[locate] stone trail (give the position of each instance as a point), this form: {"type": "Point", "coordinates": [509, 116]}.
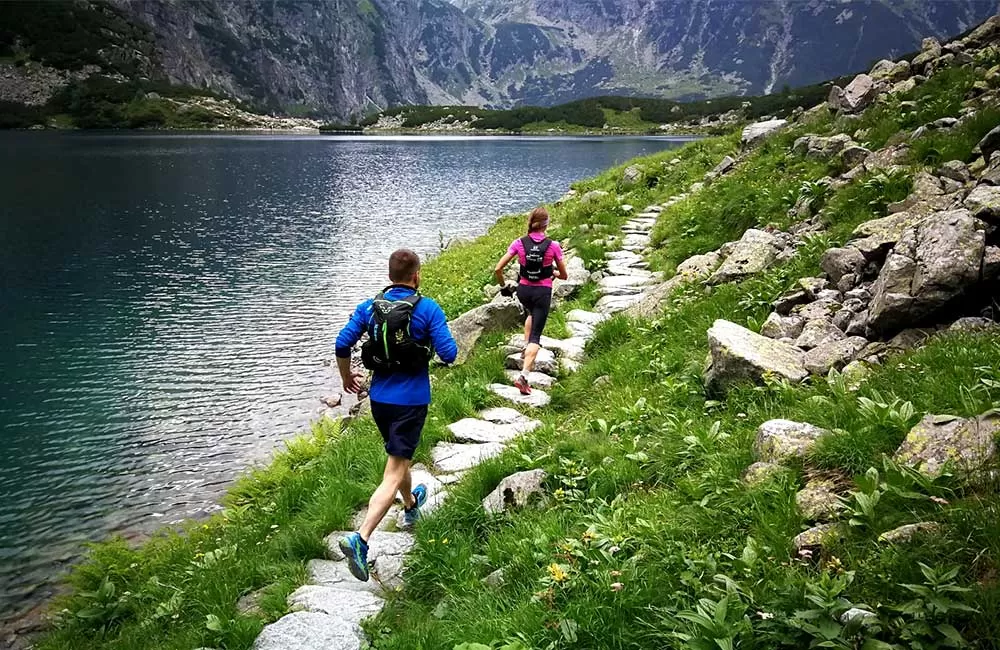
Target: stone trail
{"type": "Point", "coordinates": [328, 610]}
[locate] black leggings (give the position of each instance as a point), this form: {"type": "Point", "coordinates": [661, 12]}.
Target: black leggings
{"type": "Point", "coordinates": [537, 301]}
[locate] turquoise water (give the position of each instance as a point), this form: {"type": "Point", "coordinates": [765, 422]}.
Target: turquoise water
{"type": "Point", "coordinates": [167, 303]}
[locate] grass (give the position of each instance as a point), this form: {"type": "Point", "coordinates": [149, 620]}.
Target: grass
{"type": "Point", "coordinates": [649, 539]}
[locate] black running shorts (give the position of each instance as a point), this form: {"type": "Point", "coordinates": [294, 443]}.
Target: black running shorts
{"type": "Point", "coordinates": [400, 427]}
{"type": "Point", "coordinates": [537, 301]}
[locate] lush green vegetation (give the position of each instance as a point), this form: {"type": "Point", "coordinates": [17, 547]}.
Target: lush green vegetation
{"type": "Point", "coordinates": [634, 114]}
{"type": "Point", "coordinates": [651, 538]}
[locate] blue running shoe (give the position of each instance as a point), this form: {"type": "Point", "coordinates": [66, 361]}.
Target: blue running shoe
{"type": "Point", "coordinates": [356, 551]}
{"type": "Point", "coordinates": [411, 516]}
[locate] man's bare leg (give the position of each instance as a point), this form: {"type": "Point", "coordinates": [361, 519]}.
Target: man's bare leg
{"type": "Point", "coordinates": [397, 470]}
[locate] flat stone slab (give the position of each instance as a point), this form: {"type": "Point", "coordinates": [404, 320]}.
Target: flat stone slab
{"type": "Point", "coordinates": [545, 362]}
{"type": "Point", "coordinates": [330, 573]}
{"type": "Point", "coordinates": [583, 330]}
{"type": "Point", "coordinates": [309, 631]}
{"type": "Point", "coordinates": [457, 457]}
{"type": "Point", "coordinates": [381, 544]}
{"type": "Point", "coordinates": [503, 415]}
{"type": "Point", "coordinates": [618, 281]}
{"type": "Point", "coordinates": [537, 398]}
{"type": "Point", "coordinates": [473, 430]}
{"type": "Point", "coordinates": [349, 606]}
{"type": "Point", "coordinates": [623, 255]}
{"type": "Point", "coordinates": [621, 291]}
{"type": "Point", "coordinates": [419, 474]}
{"type": "Point", "coordinates": [536, 379]}
{"type": "Point", "coordinates": [588, 317]}
{"type": "Point", "coordinates": [630, 271]}
{"type": "Point", "coordinates": [615, 304]}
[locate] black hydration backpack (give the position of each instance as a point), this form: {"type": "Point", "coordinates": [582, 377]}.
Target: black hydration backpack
{"type": "Point", "coordinates": [390, 347]}
{"type": "Point", "coordinates": [533, 268]}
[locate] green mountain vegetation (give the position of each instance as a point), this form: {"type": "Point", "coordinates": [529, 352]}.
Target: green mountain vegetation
{"type": "Point", "coordinates": [652, 537]}
{"type": "Point", "coordinates": [621, 114]}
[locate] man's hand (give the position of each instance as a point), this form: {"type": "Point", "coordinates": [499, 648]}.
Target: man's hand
{"type": "Point", "coordinates": [508, 290]}
{"type": "Point", "coordinates": [353, 382]}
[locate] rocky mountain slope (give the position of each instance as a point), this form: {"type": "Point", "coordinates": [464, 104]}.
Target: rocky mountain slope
{"type": "Point", "coordinates": [346, 58]}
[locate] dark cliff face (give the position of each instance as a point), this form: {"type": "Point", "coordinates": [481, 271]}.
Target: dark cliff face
{"type": "Point", "coordinates": [343, 58]}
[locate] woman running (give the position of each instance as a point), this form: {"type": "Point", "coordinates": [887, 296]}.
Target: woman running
{"type": "Point", "coordinates": [539, 257]}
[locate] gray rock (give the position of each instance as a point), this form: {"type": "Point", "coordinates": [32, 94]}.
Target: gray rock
{"type": "Point", "coordinates": [991, 263]}
{"type": "Point", "coordinates": [753, 253]}
{"type": "Point", "coordinates": [858, 325]}
{"type": "Point", "coordinates": [972, 324]}
{"type": "Point", "coordinates": [778, 327]}
{"type": "Point", "coordinates": [989, 143]}
{"type": "Point", "coordinates": [818, 332]}
{"type": "Point", "coordinates": [933, 263]}
{"type": "Point", "coordinates": [903, 87]}
{"type": "Point", "coordinates": [456, 457]}
{"type": "Point", "coordinates": [829, 296]}
{"type": "Point", "coordinates": [859, 94]}
{"type": "Point", "coordinates": [930, 52]}
{"type": "Point", "coordinates": [854, 156]}
{"type": "Point", "coordinates": [818, 536]}
{"type": "Point", "coordinates": [515, 491]}
{"type": "Point", "coordinates": [835, 97]}
{"type": "Point", "coordinates": [537, 398]}
{"type": "Point", "coordinates": [984, 203]}
{"type": "Point", "coordinates": [818, 310]}
{"type": "Point", "coordinates": [592, 196]}
{"type": "Point", "coordinates": [786, 303]}
{"type": "Point", "coordinates": [861, 294]}
{"type": "Point", "coordinates": [331, 573]}
{"type": "Point", "coordinates": [857, 615]}
{"type": "Point", "coordinates": [495, 579]}
{"type": "Point", "coordinates": [968, 444]}
{"type": "Point", "coordinates": [698, 267]}
{"type": "Point", "coordinates": [781, 440]}
{"type": "Point", "coordinates": [819, 501]}
{"type": "Point", "coordinates": [887, 158]}
{"type": "Point", "coordinates": [833, 354]}
{"type": "Point", "coordinates": [589, 317]}
{"type": "Point", "coordinates": [737, 354]}
{"type": "Point", "coordinates": [909, 339]}
{"type": "Point", "coordinates": [842, 319]}
{"type": "Point", "coordinates": [756, 133]}
{"type": "Point", "coordinates": [956, 170]}
{"type": "Point", "coordinates": [813, 286]}
{"type": "Point", "coordinates": [475, 430]}
{"type": "Point", "coordinates": [249, 604]}
{"type": "Point", "coordinates": [724, 166]}
{"type": "Point", "coordinates": [349, 606]}
{"type": "Point", "coordinates": [505, 314]}
{"type": "Point", "coordinates": [632, 175]}
{"type": "Point", "coordinates": [760, 472]}
{"type": "Point", "coordinates": [309, 631]}
{"type": "Point", "coordinates": [838, 262]}
{"type": "Point", "coordinates": [536, 379]}
{"type": "Point", "coordinates": [578, 276]}
{"type": "Point", "coordinates": [906, 533]}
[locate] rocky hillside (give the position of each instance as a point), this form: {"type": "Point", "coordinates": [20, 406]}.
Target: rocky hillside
{"type": "Point", "coordinates": [346, 58]}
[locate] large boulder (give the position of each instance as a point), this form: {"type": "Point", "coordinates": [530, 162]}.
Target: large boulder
{"type": "Point", "coordinates": [308, 631]}
{"type": "Point", "coordinates": [698, 267]}
{"type": "Point", "coordinates": [738, 354]}
{"type": "Point", "coordinates": [753, 253]}
{"type": "Point", "coordinates": [515, 491]}
{"type": "Point", "coordinates": [968, 444]}
{"type": "Point", "coordinates": [501, 315]}
{"type": "Point", "coordinates": [930, 51]}
{"type": "Point", "coordinates": [859, 94]}
{"type": "Point", "coordinates": [989, 143]}
{"type": "Point", "coordinates": [578, 276]}
{"type": "Point", "coordinates": [819, 501]}
{"type": "Point", "coordinates": [933, 263]}
{"type": "Point", "coordinates": [874, 238]}
{"type": "Point", "coordinates": [887, 158]}
{"type": "Point", "coordinates": [781, 440]}
{"type": "Point", "coordinates": [632, 175]}
{"type": "Point", "coordinates": [757, 132]}
{"type": "Point", "coordinates": [818, 332]}
{"type": "Point", "coordinates": [838, 262]}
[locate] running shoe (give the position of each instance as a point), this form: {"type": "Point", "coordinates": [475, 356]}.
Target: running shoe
{"type": "Point", "coordinates": [411, 516]}
{"type": "Point", "coordinates": [522, 385]}
{"type": "Point", "coordinates": [356, 551]}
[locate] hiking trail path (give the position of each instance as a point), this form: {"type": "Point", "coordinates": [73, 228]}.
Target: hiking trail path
{"type": "Point", "coordinates": [329, 608]}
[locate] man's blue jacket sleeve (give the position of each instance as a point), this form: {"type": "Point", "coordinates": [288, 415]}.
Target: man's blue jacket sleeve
{"type": "Point", "coordinates": [352, 331]}
{"type": "Point", "coordinates": [444, 343]}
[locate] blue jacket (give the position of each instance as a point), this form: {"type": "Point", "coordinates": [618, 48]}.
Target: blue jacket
{"type": "Point", "coordinates": [428, 323]}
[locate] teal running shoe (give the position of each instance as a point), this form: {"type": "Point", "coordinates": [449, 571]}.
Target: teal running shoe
{"type": "Point", "coordinates": [411, 516]}
{"type": "Point", "coordinates": [356, 551]}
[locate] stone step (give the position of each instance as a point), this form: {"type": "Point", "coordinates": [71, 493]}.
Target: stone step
{"type": "Point", "coordinates": [433, 503]}
{"type": "Point", "coordinates": [536, 379]}
{"type": "Point", "coordinates": [617, 281]}
{"type": "Point", "coordinates": [621, 291]}
{"type": "Point", "coordinates": [580, 329]}
{"type": "Point", "coordinates": [537, 398]}
{"type": "Point", "coordinates": [588, 317]}
{"type": "Point", "coordinates": [634, 270]}
{"type": "Point", "coordinates": [623, 255]}
{"type": "Point", "coordinates": [648, 214]}
{"type": "Point", "coordinates": [475, 430]}
{"type": "Point", "coordinates": [654, 208]}
{"type": "Point", "coordinates": [503, 415]}
{"type": "Point", "coordinates": [351, 606]}
{"type": "Point", "coordinates": [571, 347]}
{"type": "Point", "coordinates": [381, 544]}
{"type": "Point", "coordinates": [614, 304]}
{"type": "Point", "coordinates": [635, 240]}
{"type": "Point", "coordinates": [309, 631]}
{"type": "Point", "coordinates": [458, 457]}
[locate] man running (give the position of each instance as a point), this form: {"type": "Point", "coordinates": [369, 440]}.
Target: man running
{"type": "Point", "coordinates": [404, 329]}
